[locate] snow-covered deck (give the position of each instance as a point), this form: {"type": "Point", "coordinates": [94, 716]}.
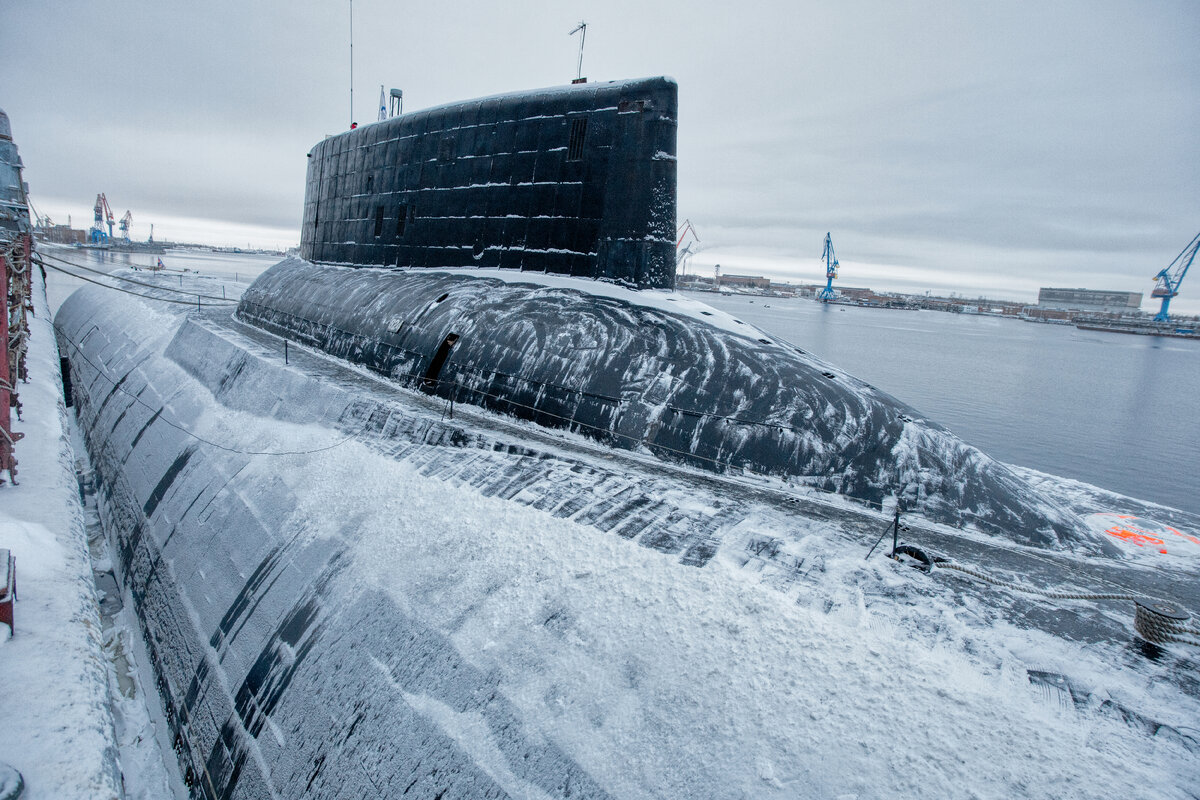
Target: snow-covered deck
{"type": "Point", "coordinates": [479, 611]}
{"type": "Point", "coordinates": [55, 724]}
{"type": "Point", "coordinates": [787, 666]}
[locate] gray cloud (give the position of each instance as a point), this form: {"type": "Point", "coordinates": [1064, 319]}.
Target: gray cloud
{"type": "Point", "coordinates": [1000, 144]}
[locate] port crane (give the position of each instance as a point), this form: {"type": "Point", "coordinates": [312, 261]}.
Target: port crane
{"type": "Point", "coordinates": [1171, 276]}
{"type": "Point", "coordinates": [104, 216]}
{"type": "Point", "coordinates": [126, 223]}
{"type": "Point", "coordinates": [831, 270]}
{"type": "Point", "coordinates": [681, 255]}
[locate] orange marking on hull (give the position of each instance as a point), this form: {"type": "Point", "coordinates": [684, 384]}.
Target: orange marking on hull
{"type": "Point", "coordinates": [1192, 539]}
{"type": "Point", "coordinates": [1147, 532]}
{"type": "Point", "coordinates": [1136, 536]}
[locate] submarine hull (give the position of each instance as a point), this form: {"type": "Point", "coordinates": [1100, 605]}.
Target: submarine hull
{"type": "Point", "coordinates": [624, 369]}
{"type": "Point", "coordinates": [495, 531]}
{"type": "Point", "coordinates": [348, 591]}
{"type": "Point", "coordinates": [281, 670]}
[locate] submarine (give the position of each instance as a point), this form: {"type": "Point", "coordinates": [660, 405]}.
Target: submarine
{"type": "Point", "coordinates": [465, 501]}
{"type": "Point", "coordinates": [581, 182]}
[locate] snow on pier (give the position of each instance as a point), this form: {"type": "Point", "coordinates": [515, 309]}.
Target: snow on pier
{"type": "Point", "coordinates": [56, 727]}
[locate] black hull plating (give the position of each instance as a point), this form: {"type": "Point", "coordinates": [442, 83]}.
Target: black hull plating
{"type": "Point", "coordinates": [280, 674]}
{"type": "Point", "coordinates": [576, 180]}
{"type": "Point", "coordinates": [636, 377]}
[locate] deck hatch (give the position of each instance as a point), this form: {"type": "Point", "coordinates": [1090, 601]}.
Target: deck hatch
{"type": "Point", "coordinates": [439, 360]}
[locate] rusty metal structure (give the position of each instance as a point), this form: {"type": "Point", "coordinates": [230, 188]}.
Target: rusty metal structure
{"type": "Point", "coordinates": [16, 246]}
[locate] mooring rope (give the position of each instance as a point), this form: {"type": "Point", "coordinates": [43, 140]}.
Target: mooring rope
{"type": "Point", "coordinates": [191, 303]}
{"type": "Point", "coordinates": [1157, 621]}
{"type": "Point", "coordinates": [126, 279]}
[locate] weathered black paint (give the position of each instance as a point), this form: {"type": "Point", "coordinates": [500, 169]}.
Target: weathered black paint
{"type": "Point", "coordinates": [577, 180]}
{"type": "Point", "coordinates": [167, 479]}
{"type": "Point", "coordinates": [252, 632]}
{"type": "Point", "coordinates": [635, 377]}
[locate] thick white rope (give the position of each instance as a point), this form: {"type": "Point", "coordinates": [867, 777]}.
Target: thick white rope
{"type": "Point", "coordinates": [1154, 620]}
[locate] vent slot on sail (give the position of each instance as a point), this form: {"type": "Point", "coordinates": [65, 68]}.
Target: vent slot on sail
{"type": "Point", "coordinates": [578, 134]}
{"type": "Point", "coordinates": [378, 221]}
{"type": "Point", "coordinates": [401, 218]}
{"type": "Point", "coordinates": [439, 360]}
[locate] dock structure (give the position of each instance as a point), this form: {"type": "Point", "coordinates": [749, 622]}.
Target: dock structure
{"type": "Point", "coordinates": [16, 246]}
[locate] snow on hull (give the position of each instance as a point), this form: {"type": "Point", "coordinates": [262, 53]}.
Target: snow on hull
{"type": "Point", "coordinates": [355, 618]}
{"type": "Point", "coordinates": [636, 377]}
{"type": "Point", "coordinates": [569, 180]}
{"type": "Point", "coordinates": [234, 595]}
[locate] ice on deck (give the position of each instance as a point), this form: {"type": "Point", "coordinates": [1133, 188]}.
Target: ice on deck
{"type": "Point", "coordinates": [359, 613]}
{"type": "Point", "coordinates": [55, 724]}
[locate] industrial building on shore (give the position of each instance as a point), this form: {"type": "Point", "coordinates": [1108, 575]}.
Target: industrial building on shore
{"type": "Point", "coordinates": [1109, 302]}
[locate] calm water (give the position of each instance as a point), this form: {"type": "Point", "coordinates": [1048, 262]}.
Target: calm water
{"type": "Point", "coordinates": [234, 270]}
{"type": "Point", "coordinates": [1114, 410]}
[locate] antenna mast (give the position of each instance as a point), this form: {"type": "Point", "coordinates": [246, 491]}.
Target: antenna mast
{"type": "Point", "coordinates": [580, 28]}
{"type": "Point", "coordinates": [351, 63]}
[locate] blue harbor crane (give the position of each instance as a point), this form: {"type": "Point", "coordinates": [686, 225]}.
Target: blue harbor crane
{"type": "Point", "coordinates": [103, 215]}
{"type": "Point", "coordinates": [831, 268]}
{"type": "Point", "coordinates": [1171, 276]}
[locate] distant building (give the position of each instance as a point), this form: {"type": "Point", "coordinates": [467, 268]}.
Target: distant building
{"type": "Point", "coordinates": [744, 282]}
{"type": "Point", "coordinates": [61, 234]}
{"type": "Point", "coordinates": [692, 281]}
{"type": "Point", "coordinates": [859, 293]}
{"type": "Point", "coordinates": [1089, 300]}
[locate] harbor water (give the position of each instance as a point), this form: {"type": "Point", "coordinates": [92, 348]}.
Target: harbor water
{"type": "Point", "coordinates": [234, 270]}
{"type": "Point", "coordinates": [1118, 411]}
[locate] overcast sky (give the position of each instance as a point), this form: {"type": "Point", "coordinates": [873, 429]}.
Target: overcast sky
{"type": "Point", "coordinates": [977, 147]}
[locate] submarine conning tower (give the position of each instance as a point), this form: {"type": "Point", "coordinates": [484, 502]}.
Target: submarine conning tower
{"type": "Point", "coordinates": [576, 180]}
{"type": "Point", "coordinates": [580, 181]}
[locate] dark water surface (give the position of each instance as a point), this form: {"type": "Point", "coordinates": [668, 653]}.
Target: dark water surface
{"type": "Point", "coordinates": [1118, 411]}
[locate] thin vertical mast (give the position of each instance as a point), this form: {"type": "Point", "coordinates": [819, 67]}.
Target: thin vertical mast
{"type": "Point", "coordinates": [581, 28]}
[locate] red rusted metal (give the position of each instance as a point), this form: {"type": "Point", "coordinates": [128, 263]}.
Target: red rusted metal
{"type": "Point", "coordinates": [8, 588]}
{"type": "Point", "coordinates": [15, 264]}
{"type": "Point", "coordinates": [7, 461]}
